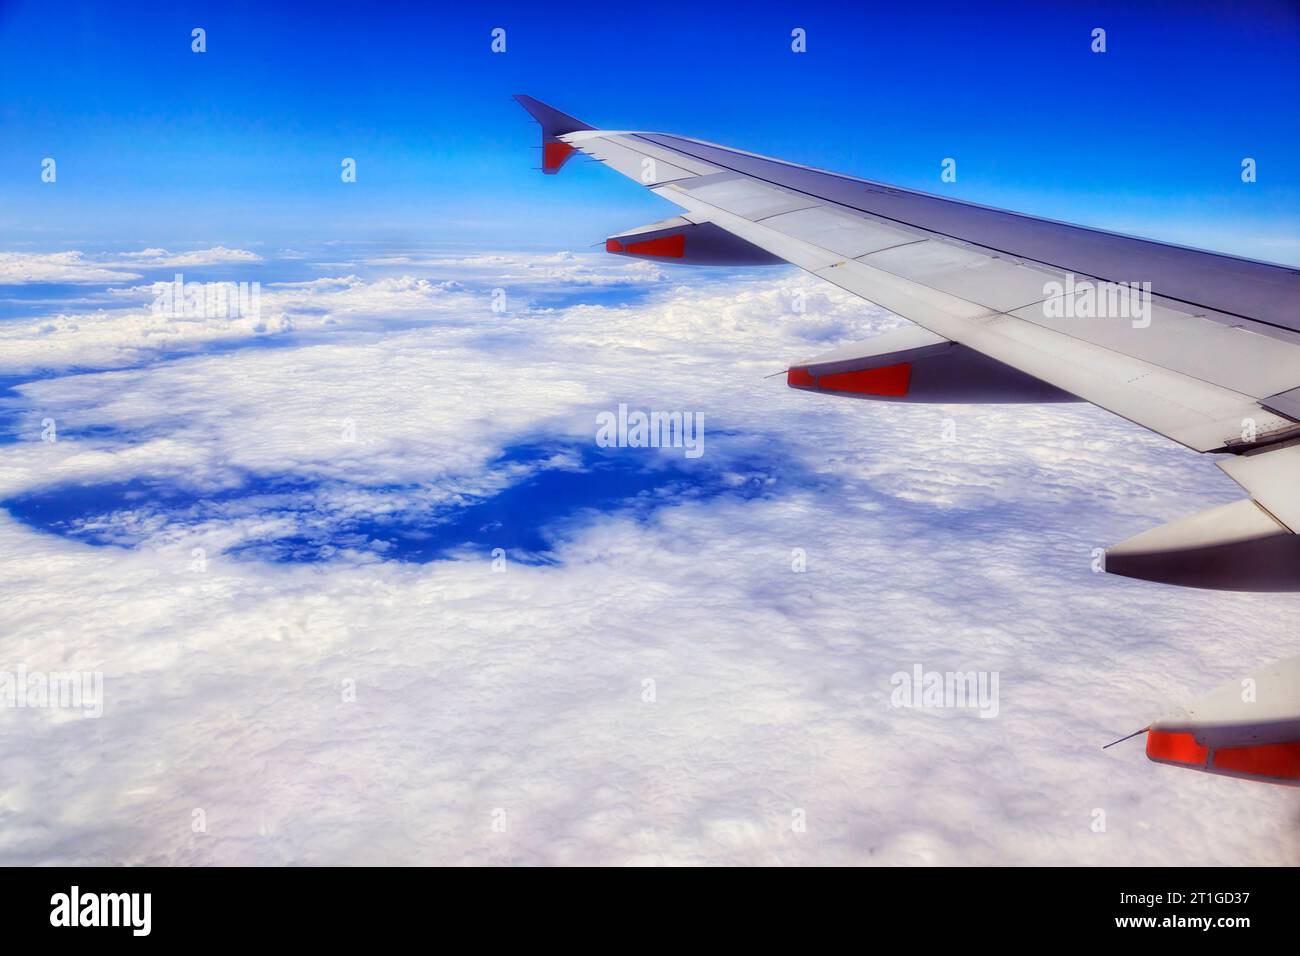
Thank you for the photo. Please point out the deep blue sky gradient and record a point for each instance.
(241, 145)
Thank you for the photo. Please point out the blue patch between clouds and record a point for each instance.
(561, 486)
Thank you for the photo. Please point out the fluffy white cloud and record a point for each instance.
(525, 691)
(473, 293)
(23, 268)
(124, 336)
(217, 255)
(570, 268)
(20, 268)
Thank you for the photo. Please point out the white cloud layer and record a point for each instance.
(512, 268)
(524, 691)
(217, 255)
(24, 268)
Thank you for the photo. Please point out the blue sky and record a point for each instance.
(241, 145)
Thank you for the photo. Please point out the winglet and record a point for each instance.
(554, 125)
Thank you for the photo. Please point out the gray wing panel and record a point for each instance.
(1258, 291)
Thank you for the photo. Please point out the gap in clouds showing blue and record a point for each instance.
(411, 524)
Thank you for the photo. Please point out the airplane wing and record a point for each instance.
(1201, 348)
